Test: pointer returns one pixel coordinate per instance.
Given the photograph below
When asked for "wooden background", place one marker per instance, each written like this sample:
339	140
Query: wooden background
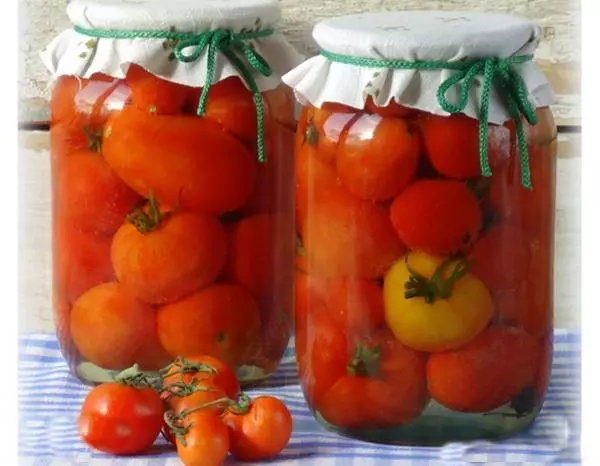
558	55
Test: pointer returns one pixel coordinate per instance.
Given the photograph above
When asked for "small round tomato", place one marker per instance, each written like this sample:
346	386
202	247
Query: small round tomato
486	373
432	304
385	386
114	330
191	370
260	433
162	257
220	320
326	354
119	419
452	144
206	442
437	216
378	157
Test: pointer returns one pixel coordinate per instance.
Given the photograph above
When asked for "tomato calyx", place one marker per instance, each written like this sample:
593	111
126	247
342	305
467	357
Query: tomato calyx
145	222
136	378
436	287
180	367
311	134
364	361
300	247
94	138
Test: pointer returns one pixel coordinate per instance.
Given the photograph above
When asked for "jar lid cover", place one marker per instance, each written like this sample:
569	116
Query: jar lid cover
108	38
184	15
410	36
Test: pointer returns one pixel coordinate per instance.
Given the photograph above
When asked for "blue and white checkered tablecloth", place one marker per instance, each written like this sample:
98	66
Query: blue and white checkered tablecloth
50	398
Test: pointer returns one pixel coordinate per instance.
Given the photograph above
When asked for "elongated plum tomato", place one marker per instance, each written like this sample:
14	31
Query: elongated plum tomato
90	195
114	330
183	160
260	433
432	304
164	256
486	373
206	442
119	419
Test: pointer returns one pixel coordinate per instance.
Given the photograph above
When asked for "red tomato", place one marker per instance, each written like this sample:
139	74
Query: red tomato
206	441
262	432
120	419
223	377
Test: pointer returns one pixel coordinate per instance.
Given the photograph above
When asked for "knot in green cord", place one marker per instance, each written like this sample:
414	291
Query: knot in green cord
189	47
494	71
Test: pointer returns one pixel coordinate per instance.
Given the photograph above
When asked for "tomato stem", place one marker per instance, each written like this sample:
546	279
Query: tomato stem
145	222
136	378
311	135
94	138
435	287
364	361
242	405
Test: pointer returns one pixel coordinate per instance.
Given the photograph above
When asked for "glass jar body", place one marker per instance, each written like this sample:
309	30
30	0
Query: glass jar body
167	230
424	291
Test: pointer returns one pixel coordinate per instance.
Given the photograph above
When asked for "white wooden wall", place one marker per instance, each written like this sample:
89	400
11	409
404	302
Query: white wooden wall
558	56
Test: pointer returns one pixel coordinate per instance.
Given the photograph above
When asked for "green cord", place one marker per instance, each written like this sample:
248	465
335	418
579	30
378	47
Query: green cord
235	46
497	71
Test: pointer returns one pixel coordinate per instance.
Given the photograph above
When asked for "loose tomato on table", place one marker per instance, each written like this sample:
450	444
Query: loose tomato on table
220	320
114	330
201	370
378	157
384	386
259	431
120	419
204	441
435	304
183	160
486	373
437	216
161	255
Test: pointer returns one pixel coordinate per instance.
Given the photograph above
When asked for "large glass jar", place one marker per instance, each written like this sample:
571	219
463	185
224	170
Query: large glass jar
172	230
423	296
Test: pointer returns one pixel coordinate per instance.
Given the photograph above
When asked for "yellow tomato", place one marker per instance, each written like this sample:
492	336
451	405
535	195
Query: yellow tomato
434	305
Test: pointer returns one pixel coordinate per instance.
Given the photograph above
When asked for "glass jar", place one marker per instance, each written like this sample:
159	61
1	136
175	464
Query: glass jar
172	228
424	289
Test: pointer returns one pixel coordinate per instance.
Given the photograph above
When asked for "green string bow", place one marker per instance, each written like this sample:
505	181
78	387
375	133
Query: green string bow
189	47
499	71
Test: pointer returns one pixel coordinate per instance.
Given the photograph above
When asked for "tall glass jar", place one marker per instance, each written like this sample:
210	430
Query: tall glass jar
171	186
424	286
